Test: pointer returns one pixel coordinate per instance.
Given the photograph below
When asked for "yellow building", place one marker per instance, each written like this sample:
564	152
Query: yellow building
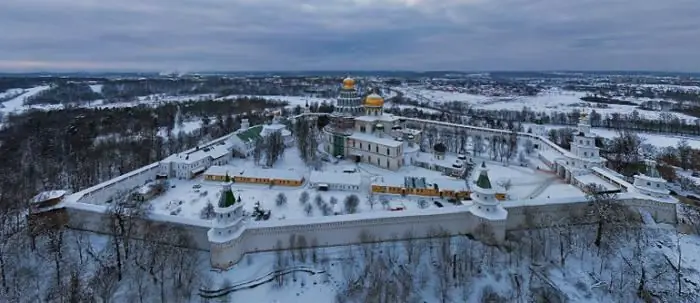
437	188
269	177
217	173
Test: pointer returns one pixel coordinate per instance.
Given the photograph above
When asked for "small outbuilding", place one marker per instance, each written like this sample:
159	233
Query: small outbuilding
335	181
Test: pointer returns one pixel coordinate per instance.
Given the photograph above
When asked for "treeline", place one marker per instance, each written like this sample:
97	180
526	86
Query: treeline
453	111
77	148
64	93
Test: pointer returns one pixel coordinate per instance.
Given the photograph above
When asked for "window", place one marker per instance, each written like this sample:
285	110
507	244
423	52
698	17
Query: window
387	152
648	183
658	185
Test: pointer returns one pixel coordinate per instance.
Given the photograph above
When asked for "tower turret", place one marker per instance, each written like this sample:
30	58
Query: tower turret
651	183
483	194
229	214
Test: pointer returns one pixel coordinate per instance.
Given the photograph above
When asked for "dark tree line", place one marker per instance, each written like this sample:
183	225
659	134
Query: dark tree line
459	112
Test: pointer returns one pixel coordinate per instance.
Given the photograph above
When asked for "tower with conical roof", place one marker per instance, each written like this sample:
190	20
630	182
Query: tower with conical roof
229	214
349	102
483	195
651	183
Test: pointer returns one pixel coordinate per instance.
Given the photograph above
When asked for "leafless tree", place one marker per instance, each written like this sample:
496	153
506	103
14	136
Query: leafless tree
207	212
304	197
105	282
506	184
351	203
309	209
607	211
281	199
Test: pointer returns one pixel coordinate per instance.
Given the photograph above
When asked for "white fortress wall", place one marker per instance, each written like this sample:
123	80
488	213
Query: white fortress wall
94	218
347	230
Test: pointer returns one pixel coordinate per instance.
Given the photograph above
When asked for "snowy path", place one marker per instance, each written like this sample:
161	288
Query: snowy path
252	283
18	102
540	189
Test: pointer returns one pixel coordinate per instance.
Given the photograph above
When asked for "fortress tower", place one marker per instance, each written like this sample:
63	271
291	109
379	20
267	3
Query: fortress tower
225	233
587	154
349	102
651	183
483	194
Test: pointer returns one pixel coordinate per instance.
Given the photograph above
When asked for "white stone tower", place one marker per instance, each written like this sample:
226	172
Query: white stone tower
483	195
229	216
583	146
651	183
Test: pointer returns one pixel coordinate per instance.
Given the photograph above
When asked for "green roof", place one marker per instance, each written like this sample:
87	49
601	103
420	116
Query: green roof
250	134
483	180
227	199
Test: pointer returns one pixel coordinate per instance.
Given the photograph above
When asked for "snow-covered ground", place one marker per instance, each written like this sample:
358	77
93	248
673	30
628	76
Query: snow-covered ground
553	100
292	100
188	197
16	105
657	140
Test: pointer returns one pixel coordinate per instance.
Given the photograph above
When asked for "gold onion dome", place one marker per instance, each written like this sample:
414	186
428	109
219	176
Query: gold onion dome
374	100
348	83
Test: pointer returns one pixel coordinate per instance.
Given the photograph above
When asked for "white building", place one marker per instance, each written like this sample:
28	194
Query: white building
361	131
193	162
243	140
651	183
335	181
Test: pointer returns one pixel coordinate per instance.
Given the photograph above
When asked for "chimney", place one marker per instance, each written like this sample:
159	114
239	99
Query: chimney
244	124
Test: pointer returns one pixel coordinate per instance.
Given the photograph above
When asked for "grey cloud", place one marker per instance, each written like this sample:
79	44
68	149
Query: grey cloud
349	34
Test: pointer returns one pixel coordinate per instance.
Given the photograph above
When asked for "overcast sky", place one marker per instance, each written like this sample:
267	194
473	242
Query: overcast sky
235	35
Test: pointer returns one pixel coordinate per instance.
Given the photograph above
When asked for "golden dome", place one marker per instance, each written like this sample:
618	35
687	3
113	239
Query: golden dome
349	83
374	100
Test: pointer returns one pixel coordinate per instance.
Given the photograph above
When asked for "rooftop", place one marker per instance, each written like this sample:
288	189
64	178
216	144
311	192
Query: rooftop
48	195
598	181
214	151
335	178
250	134
390	142
268	173
384	117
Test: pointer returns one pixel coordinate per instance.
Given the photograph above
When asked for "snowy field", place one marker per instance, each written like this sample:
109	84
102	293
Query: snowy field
657	140
188	197
553	100
421	270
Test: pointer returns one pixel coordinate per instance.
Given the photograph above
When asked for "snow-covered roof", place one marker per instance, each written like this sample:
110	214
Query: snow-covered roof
219	170
615	177
390	142
214	151
269	173
335	178
598	181
48	195
384	118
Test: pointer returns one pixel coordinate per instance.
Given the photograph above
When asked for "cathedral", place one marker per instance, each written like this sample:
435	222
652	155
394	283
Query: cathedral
360	130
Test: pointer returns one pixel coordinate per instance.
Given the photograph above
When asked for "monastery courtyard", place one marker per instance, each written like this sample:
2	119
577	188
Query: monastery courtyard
187	198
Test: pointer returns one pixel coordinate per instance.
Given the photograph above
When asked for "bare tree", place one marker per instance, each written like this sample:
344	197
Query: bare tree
304	197
351	203
309	209
607	211
281	199
506	184
207	212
